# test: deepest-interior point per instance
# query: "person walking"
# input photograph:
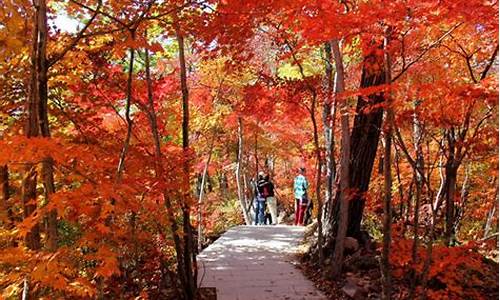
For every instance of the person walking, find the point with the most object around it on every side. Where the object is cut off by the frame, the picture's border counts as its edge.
(308, 213)
(260, 199)
(271, 200)
(300, 186)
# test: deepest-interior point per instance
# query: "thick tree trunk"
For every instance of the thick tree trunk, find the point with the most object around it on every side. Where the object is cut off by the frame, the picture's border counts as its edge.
(34, 120)
(364, 140)
(239, 183)
(39, 103)
(48, 162)
(343, 218)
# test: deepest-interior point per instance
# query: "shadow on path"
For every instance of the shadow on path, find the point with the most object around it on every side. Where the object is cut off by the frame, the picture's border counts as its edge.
(253, 262)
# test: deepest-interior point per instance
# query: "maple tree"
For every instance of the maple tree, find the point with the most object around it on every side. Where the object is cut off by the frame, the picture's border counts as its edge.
(129, 143)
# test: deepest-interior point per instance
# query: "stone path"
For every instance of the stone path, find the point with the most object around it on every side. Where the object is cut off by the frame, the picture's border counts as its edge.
(253, 262)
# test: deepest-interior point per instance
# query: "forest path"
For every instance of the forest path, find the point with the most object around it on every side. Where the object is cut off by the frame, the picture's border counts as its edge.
(253, 262)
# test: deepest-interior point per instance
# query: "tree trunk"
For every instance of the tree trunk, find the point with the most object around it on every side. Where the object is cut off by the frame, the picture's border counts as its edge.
(189, 253)
(26, 289)
(42, 68)
(343, 217)
(48, 183)
(428, 258)
(329, 114)
(450, 190)
(35, 107)
(126, 143)
(28, 198)
(47, 164)
(318, 176)
(417, 176)
(255, 153)
(440, 193)
(249, 196)
(159, 175)
(223, 184)
(364, 140)
(32, 128)
(202, 189)
(464, 196)
(447, 190)
(489, 220)
(491, 212)
(8, 217)
(400, 185)
(239, 183)
(386, 269)
(409, 205)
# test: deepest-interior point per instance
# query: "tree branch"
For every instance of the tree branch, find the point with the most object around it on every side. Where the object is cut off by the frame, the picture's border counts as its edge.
(301, 70)
(490, 63)
(434, 44)
(412, 162)
(75, 41)
(102, 13)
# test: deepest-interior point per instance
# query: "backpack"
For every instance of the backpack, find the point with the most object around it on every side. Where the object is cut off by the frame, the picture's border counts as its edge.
(265, 191)
(305, 199)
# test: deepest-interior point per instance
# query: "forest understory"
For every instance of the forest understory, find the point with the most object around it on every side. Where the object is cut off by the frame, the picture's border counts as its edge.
(361, 276)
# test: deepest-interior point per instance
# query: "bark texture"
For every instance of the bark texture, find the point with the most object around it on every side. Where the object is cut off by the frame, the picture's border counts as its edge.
(189, 253)
(365, 136)
(343, 218)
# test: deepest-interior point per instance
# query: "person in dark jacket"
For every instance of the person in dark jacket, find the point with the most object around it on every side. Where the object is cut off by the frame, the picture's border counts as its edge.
(271, 200)
(260, 199)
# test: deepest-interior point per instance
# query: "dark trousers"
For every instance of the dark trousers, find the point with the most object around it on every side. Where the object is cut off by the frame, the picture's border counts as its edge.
(260, 209)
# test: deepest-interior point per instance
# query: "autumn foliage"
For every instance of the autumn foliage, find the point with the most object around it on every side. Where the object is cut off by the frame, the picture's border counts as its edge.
(131, 133)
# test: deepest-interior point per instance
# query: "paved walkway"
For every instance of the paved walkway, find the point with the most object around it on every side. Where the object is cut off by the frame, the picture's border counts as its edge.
(252, 262)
